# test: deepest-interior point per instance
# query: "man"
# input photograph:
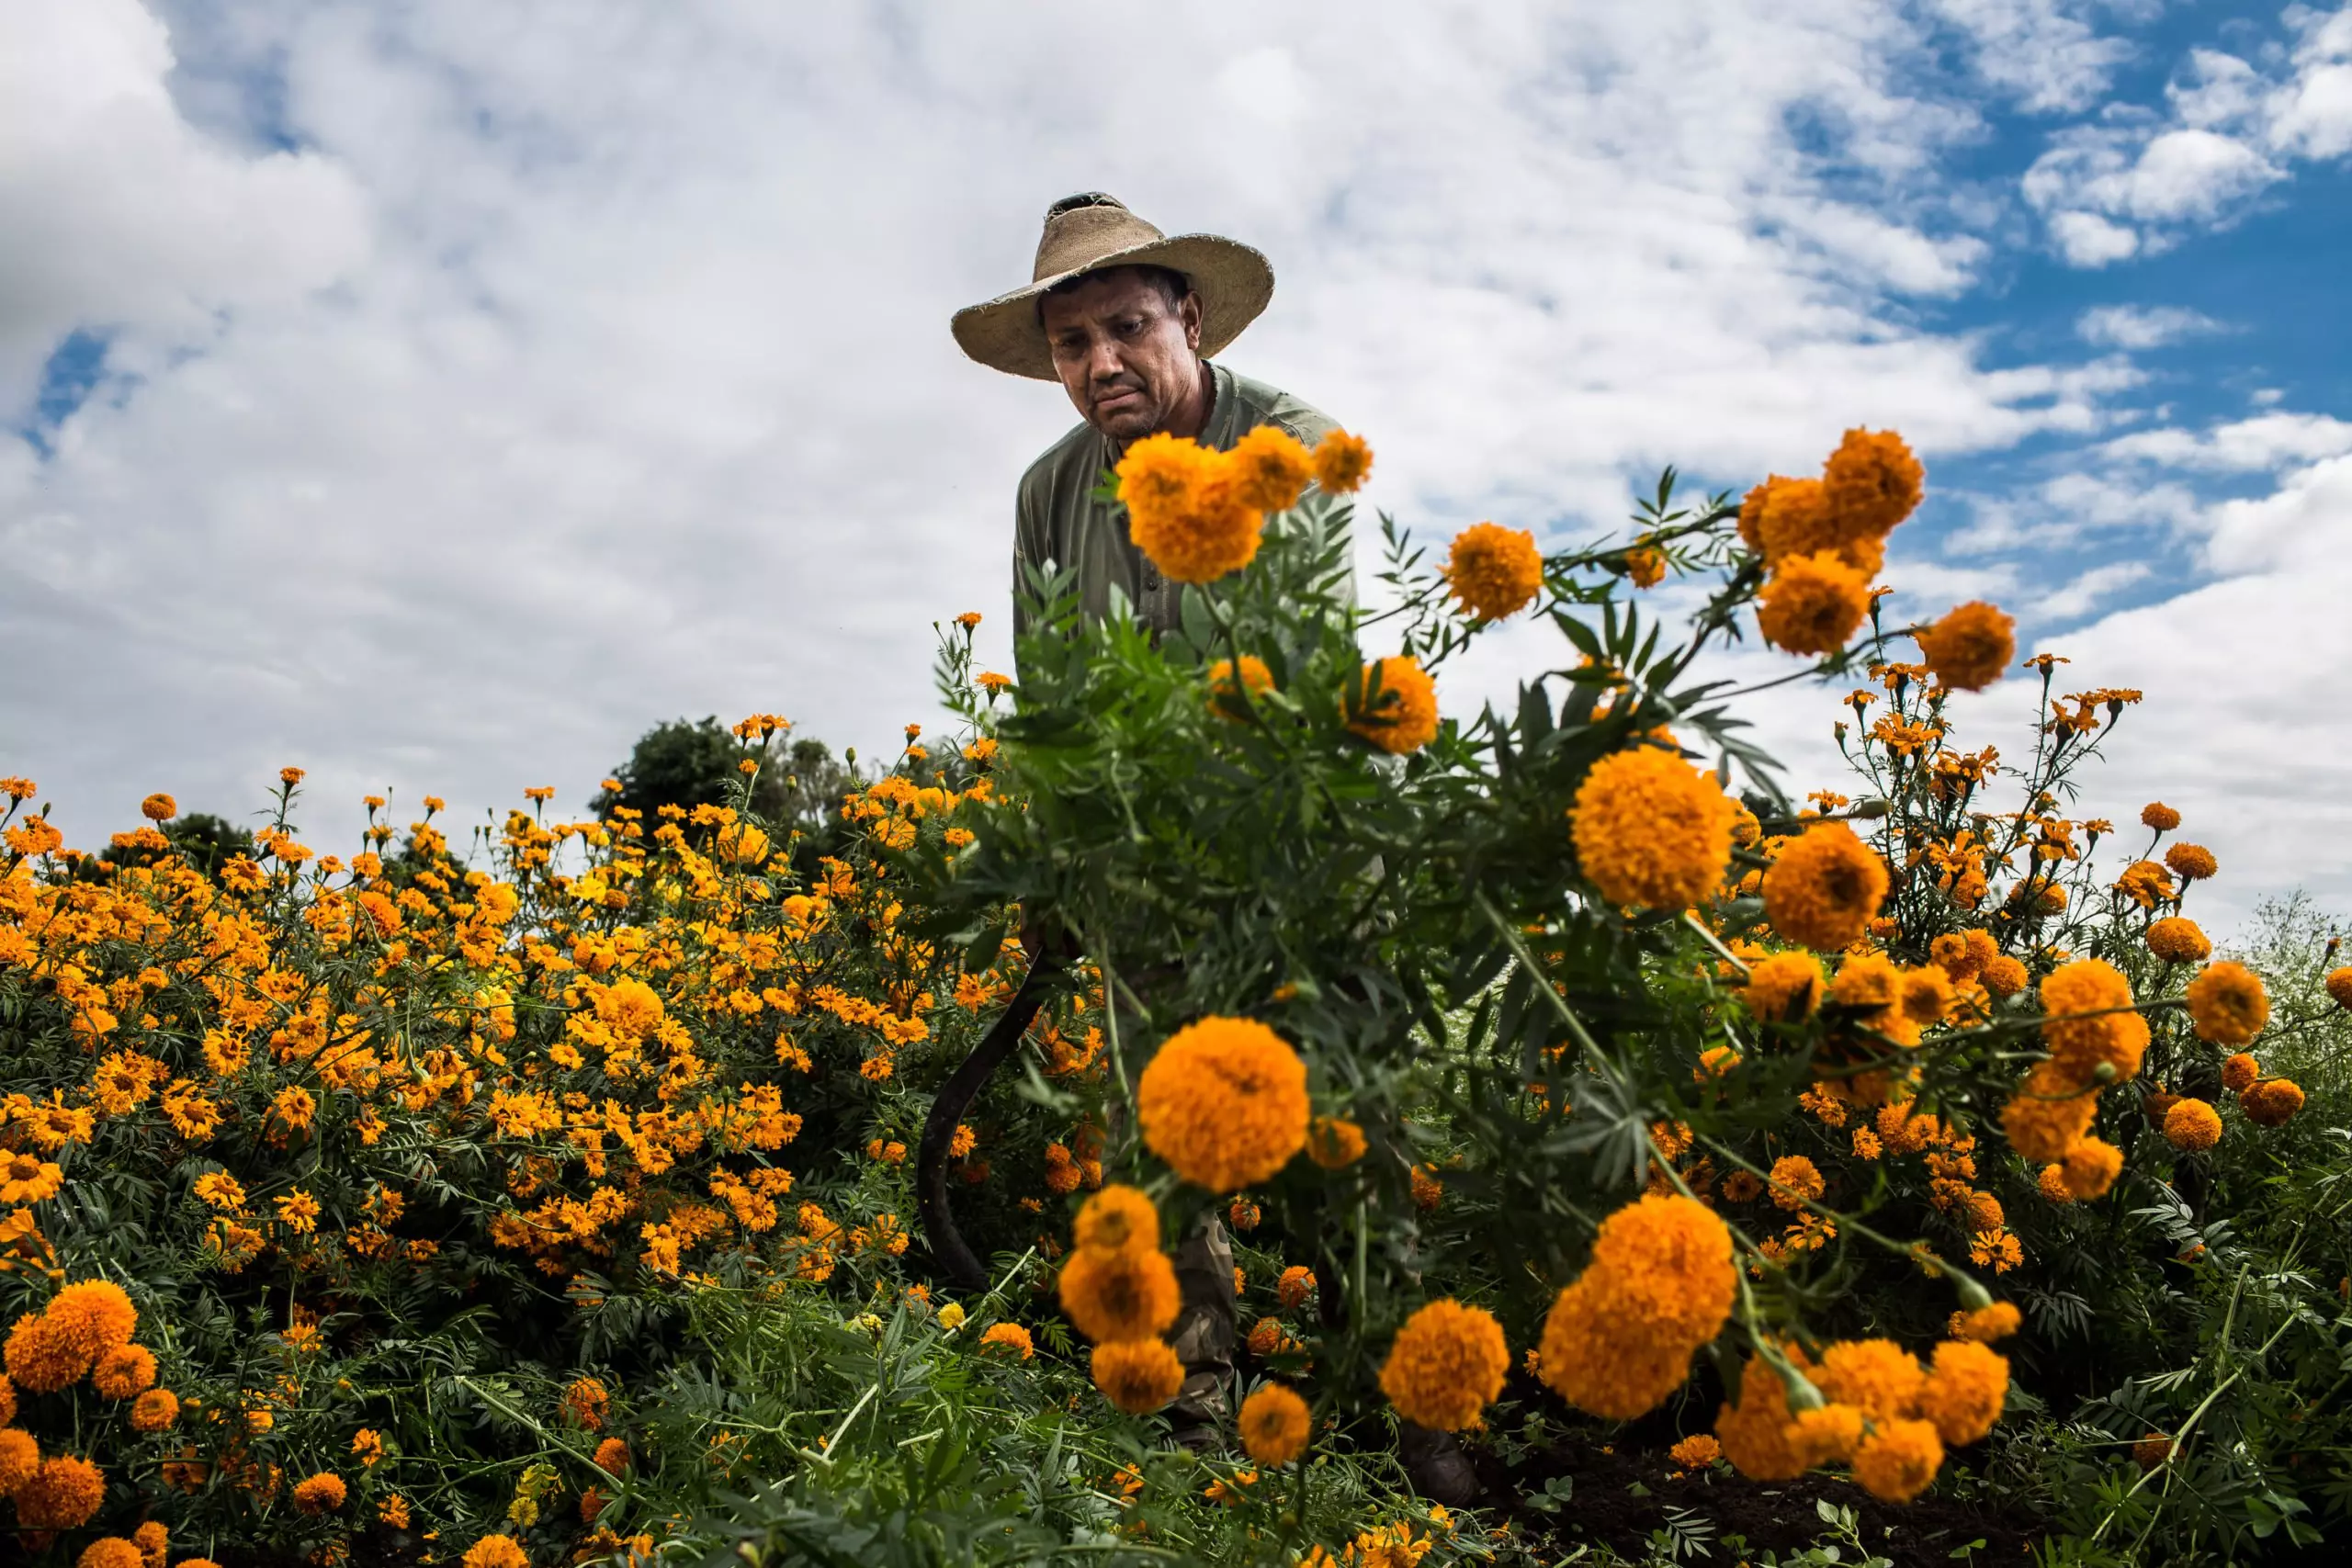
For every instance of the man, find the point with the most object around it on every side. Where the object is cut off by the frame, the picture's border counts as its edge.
(1126, 319)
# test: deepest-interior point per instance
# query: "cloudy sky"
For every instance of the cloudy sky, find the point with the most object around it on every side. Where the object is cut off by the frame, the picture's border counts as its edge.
(434, 396)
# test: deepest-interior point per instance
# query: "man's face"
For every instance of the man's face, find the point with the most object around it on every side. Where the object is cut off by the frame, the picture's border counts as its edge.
(1127, 359)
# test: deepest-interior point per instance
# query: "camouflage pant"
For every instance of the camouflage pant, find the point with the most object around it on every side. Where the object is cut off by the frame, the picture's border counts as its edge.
(1205, 1335)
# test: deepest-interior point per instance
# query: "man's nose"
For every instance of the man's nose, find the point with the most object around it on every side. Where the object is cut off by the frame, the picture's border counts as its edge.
(1103, 361)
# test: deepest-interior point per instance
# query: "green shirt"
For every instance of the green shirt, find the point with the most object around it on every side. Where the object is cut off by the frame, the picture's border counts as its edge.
(1058, 520)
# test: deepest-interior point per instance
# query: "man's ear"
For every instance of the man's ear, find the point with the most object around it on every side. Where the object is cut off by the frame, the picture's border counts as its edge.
(1188, 310)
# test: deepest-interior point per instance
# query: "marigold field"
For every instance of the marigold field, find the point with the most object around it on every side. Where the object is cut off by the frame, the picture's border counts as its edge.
(1893, 1173)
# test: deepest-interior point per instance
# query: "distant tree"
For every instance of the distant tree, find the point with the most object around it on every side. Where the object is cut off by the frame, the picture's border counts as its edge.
(205, 841)
(692, 762)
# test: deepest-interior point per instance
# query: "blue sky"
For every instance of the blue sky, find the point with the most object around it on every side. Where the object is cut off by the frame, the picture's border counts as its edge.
(434, 398)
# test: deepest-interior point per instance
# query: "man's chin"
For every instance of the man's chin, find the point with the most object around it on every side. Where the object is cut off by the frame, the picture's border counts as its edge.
(1127, 422)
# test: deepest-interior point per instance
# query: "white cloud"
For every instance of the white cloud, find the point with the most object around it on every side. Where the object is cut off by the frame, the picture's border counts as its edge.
(2262, 444)
(2051, 58)
(2078, 595)
(2141, 327)
(2087, 240)
(2312, 114)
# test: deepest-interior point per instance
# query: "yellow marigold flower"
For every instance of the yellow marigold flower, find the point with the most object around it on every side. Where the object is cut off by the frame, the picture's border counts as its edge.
(1784, 518)
(1925, 996)
(28, 1178)
(612, 1454)
(2159, 815)
(2240, 1071)
(496, 1551)
(1119, 1295)
(63, 1493)
(1274, 1423)
(1334, 1142)
(2079, 1044)
(1185, 509)
(2003, 975)
(43, 1355)
(1119, 1219)
(1812, 604)
(159, 807)
(2048, 1114)
(1969, 647)
(1755, 1428)
(1695, 1452)
(2192, 1125)
(1620, 1338)
(1225, 698)
(368, 1445)
(1271, 469)
(951, 1316)
(19, 1458)
(124, 1372)
(1965, 1389)
(1138, 1376)
(1871, 984)
(2272, 1103)
(1224, 1102)
(154, 1411)
(2227, 1004)
(97, 1313)
(111, 1552)
(1446, 1365)
(1871, 482)
(1651, 829)
(1824, 888)
(2179, 940)
(2339, 986)
(1342, 462)
(1010, 1337)
(1784, 988)
(152, 1539)
(299, 1212)
(1494, 571)
(1392, 704)
(222, 1190)
(1987, 1325)
(1795, 1181)
(320, 1494)
(2191, 862)
(2090, 1167)
(1898, 1459)
(1877, 1377)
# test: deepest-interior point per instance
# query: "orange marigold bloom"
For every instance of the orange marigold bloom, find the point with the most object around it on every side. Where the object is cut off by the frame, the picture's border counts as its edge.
(1871, 482)
(63, 1493)
(2179, 940)
(1825, 887)
(1494, 571)
(1877, 1377)
(154, 1411)
(2272, 1103)
(2159, 815)
(44, 1354)
(1270, 467)
(1812, 604)
(97, 1313)
(1342, 462)
(2151, 1450)
(111, 1552)
(1795, 1181)
(1753, 1427)
(1334, 1142)
(1392, 704)
(1620, 1338)
(2192, 1125)
(496, 1551)
(2090, 1167)
(1185, 510)
(2191, 862)
(2048, 1114)
(1695, 1452)
(19, 1458)
(2240, 1071)
(1297, 1282)
(1119, 1295)
(320, 1494)
(28, 1178)
(1898, 1459)
(1010, 1337)
(2003, 975)
(2227, 1004)
(1783, 518)
(1119, 1219)
(159, 807)
(586, 1403)
(1138, 1376)
(1274, 1423)
(1988, 1324)
(124, 1372)
(1965, 1391)
(2077, 1043)
(1224, 1102)
(1225, 698)
(612, 1457)
(1971, 646)
(1446, 1365)
(1784, 988)
(2339, 986)
(1651, 829)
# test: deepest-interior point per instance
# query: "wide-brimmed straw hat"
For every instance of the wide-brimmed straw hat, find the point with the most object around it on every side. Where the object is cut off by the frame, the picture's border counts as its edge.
(1089, 232)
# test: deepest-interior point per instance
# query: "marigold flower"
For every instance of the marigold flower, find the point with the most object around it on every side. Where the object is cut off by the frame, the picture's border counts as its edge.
(1119, 1219)
(2159, 815)
(1812, 604)
(1010, 1337)
(496, 1551)
(1620, 1338)
(156, 1410)
(19, 1458)
(2048, 1114)
(1271, 468)
(28, 1178)
(1392, 704)
(1783, 989)
(1971, 646)
(1334, 1142)
(320, 1494)
(2191, 862)
(44, 1354)
(2192, 1125)
(151, 1538)
(1445, 1366)
(2227, 1004)
(1925, 996)
(1224, 697)
(159, 807)
(1494, 571)
(1871, 984)
(1877, 1377)
(2151, 1450)
(1651, 829)
(1965, 1389)
(2179, 940)
(1427, 1190)
(951, 1316)
(1825, 887)
(63, 1493)
(111, 1552)
(1119, 1295)
(2240, 1071)
(1784, 518)
(2271, 1104)
(1274, 1423)
(1138, 1376)
(1242, 1215)
(1297, 1282)
(1184, 508)
(2079, 1044)
(586, 1403)
(2003, 975)
(1871, 482)
(1795, 1181)
(1342, 462)
(97, 1313)
(1224, 1102)
(124, 1372)
(1898, 1459)
(2339, 986)
(1987, 1325)
(2090, 1167)
(611, 1456)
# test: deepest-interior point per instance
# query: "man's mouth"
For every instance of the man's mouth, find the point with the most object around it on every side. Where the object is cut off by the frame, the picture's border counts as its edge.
(1117, 395)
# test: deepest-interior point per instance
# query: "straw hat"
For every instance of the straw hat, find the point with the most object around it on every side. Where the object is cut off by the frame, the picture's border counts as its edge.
(1089, 232)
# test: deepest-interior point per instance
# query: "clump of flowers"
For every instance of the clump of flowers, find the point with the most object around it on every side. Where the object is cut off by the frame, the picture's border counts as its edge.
(1660, 1286)
(1188, 508)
